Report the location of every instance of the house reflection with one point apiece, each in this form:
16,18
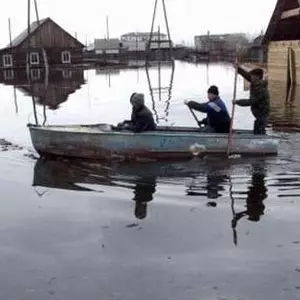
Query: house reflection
50,89
285,107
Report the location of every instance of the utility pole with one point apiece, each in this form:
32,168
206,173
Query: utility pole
9,30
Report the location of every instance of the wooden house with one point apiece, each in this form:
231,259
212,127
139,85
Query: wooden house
47,43
283,41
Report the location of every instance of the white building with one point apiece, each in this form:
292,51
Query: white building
137,41
110,46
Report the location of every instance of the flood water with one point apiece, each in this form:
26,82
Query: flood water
204,229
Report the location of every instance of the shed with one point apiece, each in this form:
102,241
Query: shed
47,43
283,40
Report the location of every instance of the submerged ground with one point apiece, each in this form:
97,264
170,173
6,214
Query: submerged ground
204,229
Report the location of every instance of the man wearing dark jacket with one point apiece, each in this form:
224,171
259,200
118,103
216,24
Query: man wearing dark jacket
141,116
218,119
259,98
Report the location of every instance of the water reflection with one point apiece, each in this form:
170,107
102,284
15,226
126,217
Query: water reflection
285,112
47,89
161,93
206,182
212,188
144,191
255,195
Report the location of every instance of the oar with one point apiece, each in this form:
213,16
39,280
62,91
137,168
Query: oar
230,135
192,112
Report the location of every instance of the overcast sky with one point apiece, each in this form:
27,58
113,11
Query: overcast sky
186,17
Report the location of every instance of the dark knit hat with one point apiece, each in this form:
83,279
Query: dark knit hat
213,90
257,72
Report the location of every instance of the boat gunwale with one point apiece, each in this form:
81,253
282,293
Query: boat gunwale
240,135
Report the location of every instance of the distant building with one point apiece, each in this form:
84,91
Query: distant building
107,46
46,43
220,45
138,41
283,41
257,51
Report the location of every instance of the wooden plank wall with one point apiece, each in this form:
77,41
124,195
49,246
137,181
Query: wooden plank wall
278,61
51,35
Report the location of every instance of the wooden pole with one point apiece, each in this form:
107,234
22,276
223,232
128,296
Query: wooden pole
230,135
168,29
107,28
9,30
37,12
152,28
159,65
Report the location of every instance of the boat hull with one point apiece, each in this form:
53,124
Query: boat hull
90,142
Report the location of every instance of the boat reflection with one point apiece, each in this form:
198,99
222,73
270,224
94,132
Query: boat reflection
211,180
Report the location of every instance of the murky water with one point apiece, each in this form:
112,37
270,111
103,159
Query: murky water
202,229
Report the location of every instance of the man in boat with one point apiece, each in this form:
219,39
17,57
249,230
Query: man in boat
218,119
259,100
141,116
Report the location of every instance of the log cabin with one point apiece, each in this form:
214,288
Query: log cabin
47,43
283,41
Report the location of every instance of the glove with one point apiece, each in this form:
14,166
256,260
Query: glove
234,102
186,102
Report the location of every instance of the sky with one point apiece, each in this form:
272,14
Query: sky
187,18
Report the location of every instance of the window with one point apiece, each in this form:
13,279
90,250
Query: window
34,58
8,74
7,60
67,74
66,57
35,74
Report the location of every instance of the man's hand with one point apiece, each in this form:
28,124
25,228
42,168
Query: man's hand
235,65
233,102
186,102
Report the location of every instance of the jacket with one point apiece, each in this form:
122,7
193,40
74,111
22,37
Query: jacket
217,115
259,100
142,119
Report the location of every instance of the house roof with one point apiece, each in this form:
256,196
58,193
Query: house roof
283,28
258,40
23,36
101,44
143,34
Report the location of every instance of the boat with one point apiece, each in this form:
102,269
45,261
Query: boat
103,141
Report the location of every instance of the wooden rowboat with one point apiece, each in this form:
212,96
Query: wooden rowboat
101,141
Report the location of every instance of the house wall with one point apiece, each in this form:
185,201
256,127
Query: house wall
278,61
54,56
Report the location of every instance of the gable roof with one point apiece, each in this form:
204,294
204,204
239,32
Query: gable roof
23,36
287,28
18,40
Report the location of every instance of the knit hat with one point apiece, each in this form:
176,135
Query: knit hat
137,99
257,72
213,90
